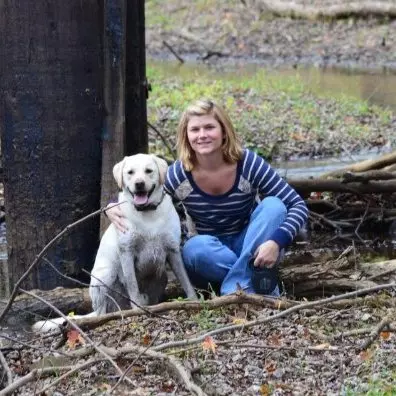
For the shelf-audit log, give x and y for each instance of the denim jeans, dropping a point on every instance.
(224, 259)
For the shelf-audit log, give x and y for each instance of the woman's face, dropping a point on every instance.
(205, 135)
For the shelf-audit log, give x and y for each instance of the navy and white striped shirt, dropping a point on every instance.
(229, 213)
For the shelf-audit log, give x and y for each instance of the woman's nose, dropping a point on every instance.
(202, 132)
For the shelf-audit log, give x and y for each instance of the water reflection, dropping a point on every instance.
(377, 88)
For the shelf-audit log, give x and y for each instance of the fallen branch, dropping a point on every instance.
(364, 177)
(374, 334)
(33, 375)
(304, 186)
(93, 322)
(267, 319)
(342, 10)
(76, 327)
(73, 370)
(363, 166)
(177, 56)
(43, 251)
(351, 333)
(6, 369)
(172, 362)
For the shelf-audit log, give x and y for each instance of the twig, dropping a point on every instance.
(391, 327)
(170, 48)
(173, 153)
(6, 369)
(68, 374)
(376, 332)
(76, 327)
(180, 370)
(41, 254)
(61, 274)
(381, 274)
(361, 222)
(133, 362)
(34, 374)
(267, 319)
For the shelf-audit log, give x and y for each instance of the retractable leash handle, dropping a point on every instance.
(264, 280)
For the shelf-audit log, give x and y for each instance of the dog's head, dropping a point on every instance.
(143, 176)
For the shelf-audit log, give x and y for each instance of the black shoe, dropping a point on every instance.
(264, 280)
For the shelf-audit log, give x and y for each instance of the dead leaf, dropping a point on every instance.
(265, 390)
(146, 340)
(209, 344)
(74, 338)
(385, 335)
(274, 340)
(365, 355)
(270, 367)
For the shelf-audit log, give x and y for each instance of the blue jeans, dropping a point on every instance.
(224, 259)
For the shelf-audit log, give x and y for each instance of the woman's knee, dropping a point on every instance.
(196, 248)
(271, 208)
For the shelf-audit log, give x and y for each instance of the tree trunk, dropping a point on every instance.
(51, 126)
(114, 96)
(359, 8)
(125, 90)
(136, 87)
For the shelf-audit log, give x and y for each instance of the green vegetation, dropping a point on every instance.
(275, 114)
(380, 387)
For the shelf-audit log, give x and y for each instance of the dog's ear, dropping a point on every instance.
(162, 167)
(117, 172)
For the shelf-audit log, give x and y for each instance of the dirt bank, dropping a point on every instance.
(224, 31)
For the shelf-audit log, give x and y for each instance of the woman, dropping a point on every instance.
(219, 183)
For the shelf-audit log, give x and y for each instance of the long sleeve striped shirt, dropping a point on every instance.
(229, 213)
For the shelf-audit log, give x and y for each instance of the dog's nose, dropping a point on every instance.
(139, 185)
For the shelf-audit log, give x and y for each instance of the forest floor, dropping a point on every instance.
(254, 348)
(238, 31)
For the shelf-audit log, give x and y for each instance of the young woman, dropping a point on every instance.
(220, 185)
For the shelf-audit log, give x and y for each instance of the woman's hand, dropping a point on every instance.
(116, 216)
(266, 254)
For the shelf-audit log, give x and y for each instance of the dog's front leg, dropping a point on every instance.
(130, 281)
(177, 265)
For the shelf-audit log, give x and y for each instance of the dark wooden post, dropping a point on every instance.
(125, 89)
(114, 98)
(51, 126)
(135, 83)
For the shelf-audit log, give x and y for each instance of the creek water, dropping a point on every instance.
(374, 87)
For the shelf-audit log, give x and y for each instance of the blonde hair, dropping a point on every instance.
(232, 149)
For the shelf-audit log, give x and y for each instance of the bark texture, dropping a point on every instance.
(51, 125)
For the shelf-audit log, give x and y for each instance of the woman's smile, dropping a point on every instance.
(204, 134)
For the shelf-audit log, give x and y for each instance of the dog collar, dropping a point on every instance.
(151, 206)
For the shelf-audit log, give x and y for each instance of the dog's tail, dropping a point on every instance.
(55, 325)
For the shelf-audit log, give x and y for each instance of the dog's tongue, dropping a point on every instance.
(140, 199)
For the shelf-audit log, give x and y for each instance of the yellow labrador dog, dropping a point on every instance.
(134, 262)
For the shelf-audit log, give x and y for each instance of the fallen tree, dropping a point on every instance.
(341, 10)
(303, 275)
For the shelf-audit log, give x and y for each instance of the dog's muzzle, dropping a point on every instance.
(141, 196)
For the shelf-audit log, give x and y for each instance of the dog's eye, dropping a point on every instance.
(148, 171)
(131, 172)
